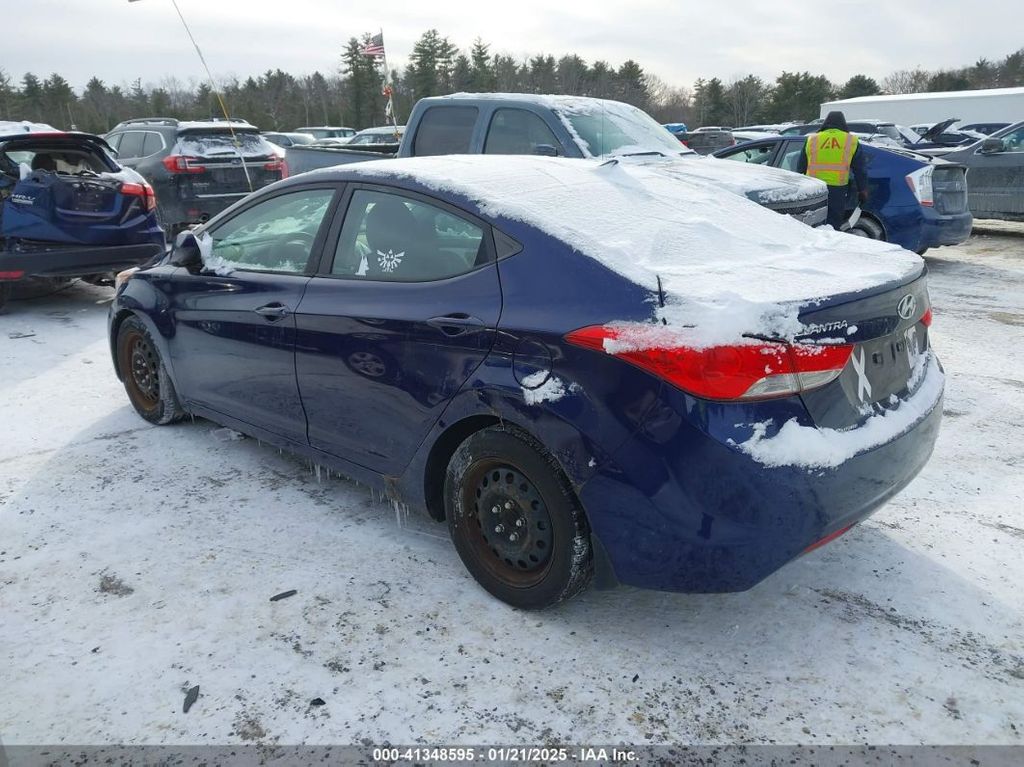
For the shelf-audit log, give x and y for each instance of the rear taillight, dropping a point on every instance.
(143, 190)
(920, 182)
(12, 275)
(926, 318)
(179, 163)
(277, 166)
(758, 370)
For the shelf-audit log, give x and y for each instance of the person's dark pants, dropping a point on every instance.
(837, 196)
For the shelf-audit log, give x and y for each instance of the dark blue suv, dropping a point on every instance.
(68, 209)
(914, 201)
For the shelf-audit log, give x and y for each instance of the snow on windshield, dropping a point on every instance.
(612, 128)
(729, 267)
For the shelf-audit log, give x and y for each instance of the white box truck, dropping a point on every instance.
(990, 105)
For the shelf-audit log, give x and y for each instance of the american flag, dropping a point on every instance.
(374, 46)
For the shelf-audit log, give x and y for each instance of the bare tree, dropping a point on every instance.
(906, 81)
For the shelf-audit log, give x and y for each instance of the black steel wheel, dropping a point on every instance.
(145, 378)
(515, 521)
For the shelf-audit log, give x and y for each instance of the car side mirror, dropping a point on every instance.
(991, 146)
(545, 150)
(186, 252)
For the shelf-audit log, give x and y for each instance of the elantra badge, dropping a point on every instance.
(906, 307)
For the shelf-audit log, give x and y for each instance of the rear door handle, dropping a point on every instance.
(272, 311)
(457, 324)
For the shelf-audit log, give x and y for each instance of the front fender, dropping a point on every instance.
(141, 298)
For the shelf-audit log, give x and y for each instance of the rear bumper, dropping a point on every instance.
(682, 508)
(938, 229)
(77, 261)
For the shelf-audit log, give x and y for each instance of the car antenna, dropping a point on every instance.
(661, 296)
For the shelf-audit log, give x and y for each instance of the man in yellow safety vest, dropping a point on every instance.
(832, 156)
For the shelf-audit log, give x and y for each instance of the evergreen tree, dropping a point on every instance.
(859, 85)
(798, 96)
(362, 103)
(482, 73)
(31, 101)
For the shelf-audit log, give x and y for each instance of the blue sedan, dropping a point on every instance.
(584, 379)
(913, 201)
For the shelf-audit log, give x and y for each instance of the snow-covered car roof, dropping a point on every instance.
(10, 128)
(381, 129)
(728, 266)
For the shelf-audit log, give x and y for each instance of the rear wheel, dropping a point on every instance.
(868, 227)
(515, 521)
(145, 378)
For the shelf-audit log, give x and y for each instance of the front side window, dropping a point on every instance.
(273, 236)
(792, 154)
(1014, 141)
(392, 238)
(756, 155)
(445, 130)
(517, 131)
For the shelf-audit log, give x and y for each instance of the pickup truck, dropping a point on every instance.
(575, 127)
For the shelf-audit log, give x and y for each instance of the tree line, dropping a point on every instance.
(353, 95)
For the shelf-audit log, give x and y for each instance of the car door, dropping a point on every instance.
(233, 348)
(404, 309)
(995, 179)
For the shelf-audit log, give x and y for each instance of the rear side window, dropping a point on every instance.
(392, 238)
(757, 155)
(445, 130)
(131, 144)
(151, 144)
(276, 235)
(517, 131)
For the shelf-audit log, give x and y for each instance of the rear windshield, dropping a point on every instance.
(57, 156)
(224, 144)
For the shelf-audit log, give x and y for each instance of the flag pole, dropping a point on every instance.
(387, 84)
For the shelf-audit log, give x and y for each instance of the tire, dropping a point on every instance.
(515, 521)
(868, 227)
(145, 378)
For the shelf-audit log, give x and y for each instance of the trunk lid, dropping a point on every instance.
(218, 162)
(889, 332)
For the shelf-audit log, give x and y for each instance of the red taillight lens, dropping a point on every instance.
(13, 275)
(179, 163)
(926, 318)
(143, 190)
(278, 165)
(758, 370)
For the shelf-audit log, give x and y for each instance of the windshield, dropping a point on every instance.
(609, 127)
(214, 144)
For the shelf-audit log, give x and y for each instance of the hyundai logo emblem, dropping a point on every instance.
(906, 307)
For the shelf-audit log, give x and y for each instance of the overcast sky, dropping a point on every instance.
(119, 41)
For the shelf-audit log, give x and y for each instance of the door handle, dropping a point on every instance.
(273, 311)
(457, 324)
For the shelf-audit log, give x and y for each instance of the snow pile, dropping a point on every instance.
(10, 127)
(542, 387)
(728, 267)
(814, 448)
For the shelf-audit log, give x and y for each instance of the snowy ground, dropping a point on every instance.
(137, 562)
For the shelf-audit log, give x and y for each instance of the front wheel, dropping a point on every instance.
(145, 378)
(515, 521)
